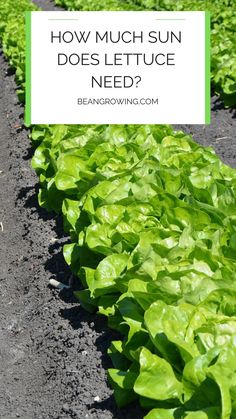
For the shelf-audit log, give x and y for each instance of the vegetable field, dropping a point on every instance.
(149, 221)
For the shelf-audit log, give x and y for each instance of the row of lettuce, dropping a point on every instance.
(223, 39)
(152, 220)
(151, 216)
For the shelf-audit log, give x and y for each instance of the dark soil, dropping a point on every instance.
(53, 358)
(220, 134)
(46, 5)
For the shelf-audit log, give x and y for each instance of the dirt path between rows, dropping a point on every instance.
(52, 353)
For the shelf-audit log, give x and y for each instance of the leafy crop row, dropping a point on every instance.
(12, 36)
(151, 215)
(223, 19)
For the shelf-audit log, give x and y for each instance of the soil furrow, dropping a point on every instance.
(52, 353)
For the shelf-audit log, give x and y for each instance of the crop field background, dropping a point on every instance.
(140, 222)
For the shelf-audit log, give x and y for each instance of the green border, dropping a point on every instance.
(207, 68)
(28, 68)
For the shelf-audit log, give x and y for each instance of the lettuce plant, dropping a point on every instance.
(151, 216)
